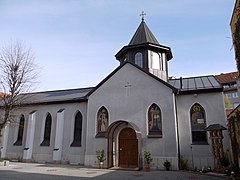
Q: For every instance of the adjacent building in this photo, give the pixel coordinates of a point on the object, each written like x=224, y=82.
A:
x=230, y=87
x=235, y=29
x=234, y=116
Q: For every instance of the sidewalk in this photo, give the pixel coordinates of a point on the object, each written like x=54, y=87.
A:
x=36, y=171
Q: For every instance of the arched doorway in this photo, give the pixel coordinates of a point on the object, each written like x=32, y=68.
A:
x=128, y=148
x=127, y=136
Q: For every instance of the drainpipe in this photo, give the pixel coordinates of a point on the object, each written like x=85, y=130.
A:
x=180, y=83
x=178, y=143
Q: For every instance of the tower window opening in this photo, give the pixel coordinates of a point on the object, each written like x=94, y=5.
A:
x=156, y=61
x=139, y=59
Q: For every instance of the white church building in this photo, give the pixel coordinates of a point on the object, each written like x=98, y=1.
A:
x=136, y=107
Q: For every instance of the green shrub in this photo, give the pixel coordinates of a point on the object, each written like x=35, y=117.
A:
x=147, y=157
x=100, y=155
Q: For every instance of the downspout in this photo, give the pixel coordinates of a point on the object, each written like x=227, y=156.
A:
x=180, y=83
x=178, y=143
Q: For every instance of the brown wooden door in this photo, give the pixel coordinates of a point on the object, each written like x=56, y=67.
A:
x=128, y=149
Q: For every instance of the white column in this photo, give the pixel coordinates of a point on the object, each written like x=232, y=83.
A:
x=4, y=141
x=57, y=151
x=165, y=66
x=27, y=152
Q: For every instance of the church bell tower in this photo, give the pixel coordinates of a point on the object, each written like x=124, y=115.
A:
x=145, y=51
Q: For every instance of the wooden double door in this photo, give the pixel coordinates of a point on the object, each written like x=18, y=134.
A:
x=128, y=148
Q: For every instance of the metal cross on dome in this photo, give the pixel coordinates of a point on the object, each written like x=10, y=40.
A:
x=143, y=14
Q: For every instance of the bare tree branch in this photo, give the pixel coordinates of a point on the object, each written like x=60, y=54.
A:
x=18, y=74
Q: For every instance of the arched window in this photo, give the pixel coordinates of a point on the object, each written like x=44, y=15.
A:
x=20, y=131
x=139, y=59
x=47, y=131
x=154, y=121
x=198, y=124
x=102, y=121
x=77, y=136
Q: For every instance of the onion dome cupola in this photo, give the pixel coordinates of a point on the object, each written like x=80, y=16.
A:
x=145, y=51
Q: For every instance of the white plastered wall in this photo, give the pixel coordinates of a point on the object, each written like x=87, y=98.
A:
x=200, y=156
x=73, y=155
x=127, y=95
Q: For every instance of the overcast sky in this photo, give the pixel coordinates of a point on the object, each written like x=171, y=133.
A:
x=74, y=41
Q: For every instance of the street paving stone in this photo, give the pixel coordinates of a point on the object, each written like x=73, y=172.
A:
x=35, y=171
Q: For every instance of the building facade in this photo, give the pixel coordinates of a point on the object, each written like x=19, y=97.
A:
x=135, y=108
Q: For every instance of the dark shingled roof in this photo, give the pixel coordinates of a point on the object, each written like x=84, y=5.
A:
x=143, y=35
x=143, y=38
x=215, y=127
x=58, y=96
x=195, y=84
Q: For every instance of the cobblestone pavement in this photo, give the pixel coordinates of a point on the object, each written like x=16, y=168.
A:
x=18, y=171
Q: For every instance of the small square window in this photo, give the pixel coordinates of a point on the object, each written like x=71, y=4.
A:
x=199, y=136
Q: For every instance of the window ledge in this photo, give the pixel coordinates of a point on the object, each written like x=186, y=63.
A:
x=154, y=136
x=76, y=144
x=45, y=143
x=18, y=143
x=200, y=143
x=100, y=135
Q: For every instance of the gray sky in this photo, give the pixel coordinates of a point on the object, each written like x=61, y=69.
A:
x=75, y=41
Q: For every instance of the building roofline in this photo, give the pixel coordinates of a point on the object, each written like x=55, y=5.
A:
x=195, y=89
x=61, y=90
x=26, y=97
x=119, y=67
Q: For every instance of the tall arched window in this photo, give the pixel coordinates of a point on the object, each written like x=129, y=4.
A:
x=154, y=121
x=77, y=136
x=20, y=131
x=102, y=121
x=47, y=131
x=139, y=59
x=198, y=124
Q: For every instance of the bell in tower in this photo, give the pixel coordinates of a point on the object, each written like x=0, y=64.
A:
x=145, y=51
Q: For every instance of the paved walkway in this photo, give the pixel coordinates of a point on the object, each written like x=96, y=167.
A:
x=18, y=171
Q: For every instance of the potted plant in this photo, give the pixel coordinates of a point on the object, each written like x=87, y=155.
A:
x=148, y=159
x=101, y=158
x=167, y=165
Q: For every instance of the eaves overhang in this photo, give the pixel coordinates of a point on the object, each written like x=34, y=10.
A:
x=160, y=48
x=199, y=91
